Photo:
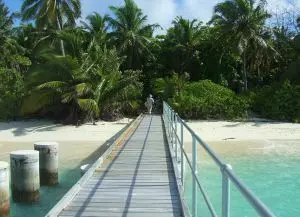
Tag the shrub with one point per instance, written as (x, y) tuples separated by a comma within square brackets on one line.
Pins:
[(279, 102), (208, 100), (11, 92)]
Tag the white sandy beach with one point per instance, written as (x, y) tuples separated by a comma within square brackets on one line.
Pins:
[(77, 144), (34, 130), (254, 137), (254, 130)]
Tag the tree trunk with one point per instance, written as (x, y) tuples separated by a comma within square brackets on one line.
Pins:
[(245, 72), (130, 58), (62, 47)]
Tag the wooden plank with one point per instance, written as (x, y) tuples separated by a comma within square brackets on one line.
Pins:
[(137, 179), (123, 200), (120, 209), (109, 214)]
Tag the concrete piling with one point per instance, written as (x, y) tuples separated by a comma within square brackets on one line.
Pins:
[(84, 168), (48, 152), (25, 178), (4, 190)]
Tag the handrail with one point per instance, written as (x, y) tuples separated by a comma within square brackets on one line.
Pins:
[(171, 119)]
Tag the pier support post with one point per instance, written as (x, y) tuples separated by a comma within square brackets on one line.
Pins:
[(25, 176), (4, 190), (84, 168), (48, 152)]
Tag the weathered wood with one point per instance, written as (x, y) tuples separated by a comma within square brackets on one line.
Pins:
[(137, 179), (109, 214)]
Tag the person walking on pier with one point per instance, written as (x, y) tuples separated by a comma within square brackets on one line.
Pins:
[(149, 103)]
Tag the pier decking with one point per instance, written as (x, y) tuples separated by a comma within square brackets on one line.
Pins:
[(137, 179)]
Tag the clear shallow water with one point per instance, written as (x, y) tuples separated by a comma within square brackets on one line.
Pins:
[(49, 196), (272, 173), (71, 156)]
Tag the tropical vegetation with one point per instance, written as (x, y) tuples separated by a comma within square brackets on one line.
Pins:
[(58, 64)]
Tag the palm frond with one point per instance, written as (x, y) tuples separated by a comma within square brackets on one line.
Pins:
[(88, 105), (54, 85)]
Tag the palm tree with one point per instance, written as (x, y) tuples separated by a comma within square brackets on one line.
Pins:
[(97, 26), (84, 84), (240, 23), (130, 33), (184, 38), (9, 46), (52, 13)]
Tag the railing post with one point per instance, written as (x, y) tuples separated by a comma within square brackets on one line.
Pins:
[(169, 122), (194, 165), (172, 128), (181, 157), (175, 137), (225, 192)]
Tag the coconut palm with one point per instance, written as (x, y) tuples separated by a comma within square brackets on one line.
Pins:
[(183, 39), (83, 84), (131, 33), (186, 32), (240, 23), (97, 26), (52, 13), (7, 44)]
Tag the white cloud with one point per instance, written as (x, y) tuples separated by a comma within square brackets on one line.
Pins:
[(199, 9), (100, 6), (277, 6), (159, 11), (164, 11)]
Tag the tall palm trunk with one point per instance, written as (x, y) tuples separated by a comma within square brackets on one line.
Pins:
[(130, 57), (245, 72), (62, 47)]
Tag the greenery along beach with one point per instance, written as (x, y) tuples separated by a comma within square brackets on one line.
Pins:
[(58, 64)]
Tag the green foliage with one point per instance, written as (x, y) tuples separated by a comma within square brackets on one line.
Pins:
[(131, 34), (179, 49), (208, 100), (11, 92), (241, 25), (103, 67), (169, 87), (278, 102), (85, 84), (49, 12)]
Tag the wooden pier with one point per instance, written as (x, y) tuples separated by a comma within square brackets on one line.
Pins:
[(135, 179)]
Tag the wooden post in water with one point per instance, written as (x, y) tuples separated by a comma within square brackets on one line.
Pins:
[(25, 175), (4, 190), (48, 152)]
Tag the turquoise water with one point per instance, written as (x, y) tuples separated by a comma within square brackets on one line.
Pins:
[(49, 196), (72, 155), (273, 176)]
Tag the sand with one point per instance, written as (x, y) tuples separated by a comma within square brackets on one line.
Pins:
[(78, 145), (247, 138), (254, 130)]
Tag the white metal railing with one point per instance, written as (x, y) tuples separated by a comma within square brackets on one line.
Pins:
[(172, 121)]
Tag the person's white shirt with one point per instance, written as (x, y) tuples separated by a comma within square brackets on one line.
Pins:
[(149, 103)]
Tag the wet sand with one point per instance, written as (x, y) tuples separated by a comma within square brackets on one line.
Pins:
[(251, 147)]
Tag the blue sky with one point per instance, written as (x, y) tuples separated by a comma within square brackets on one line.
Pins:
[(164, 11)]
